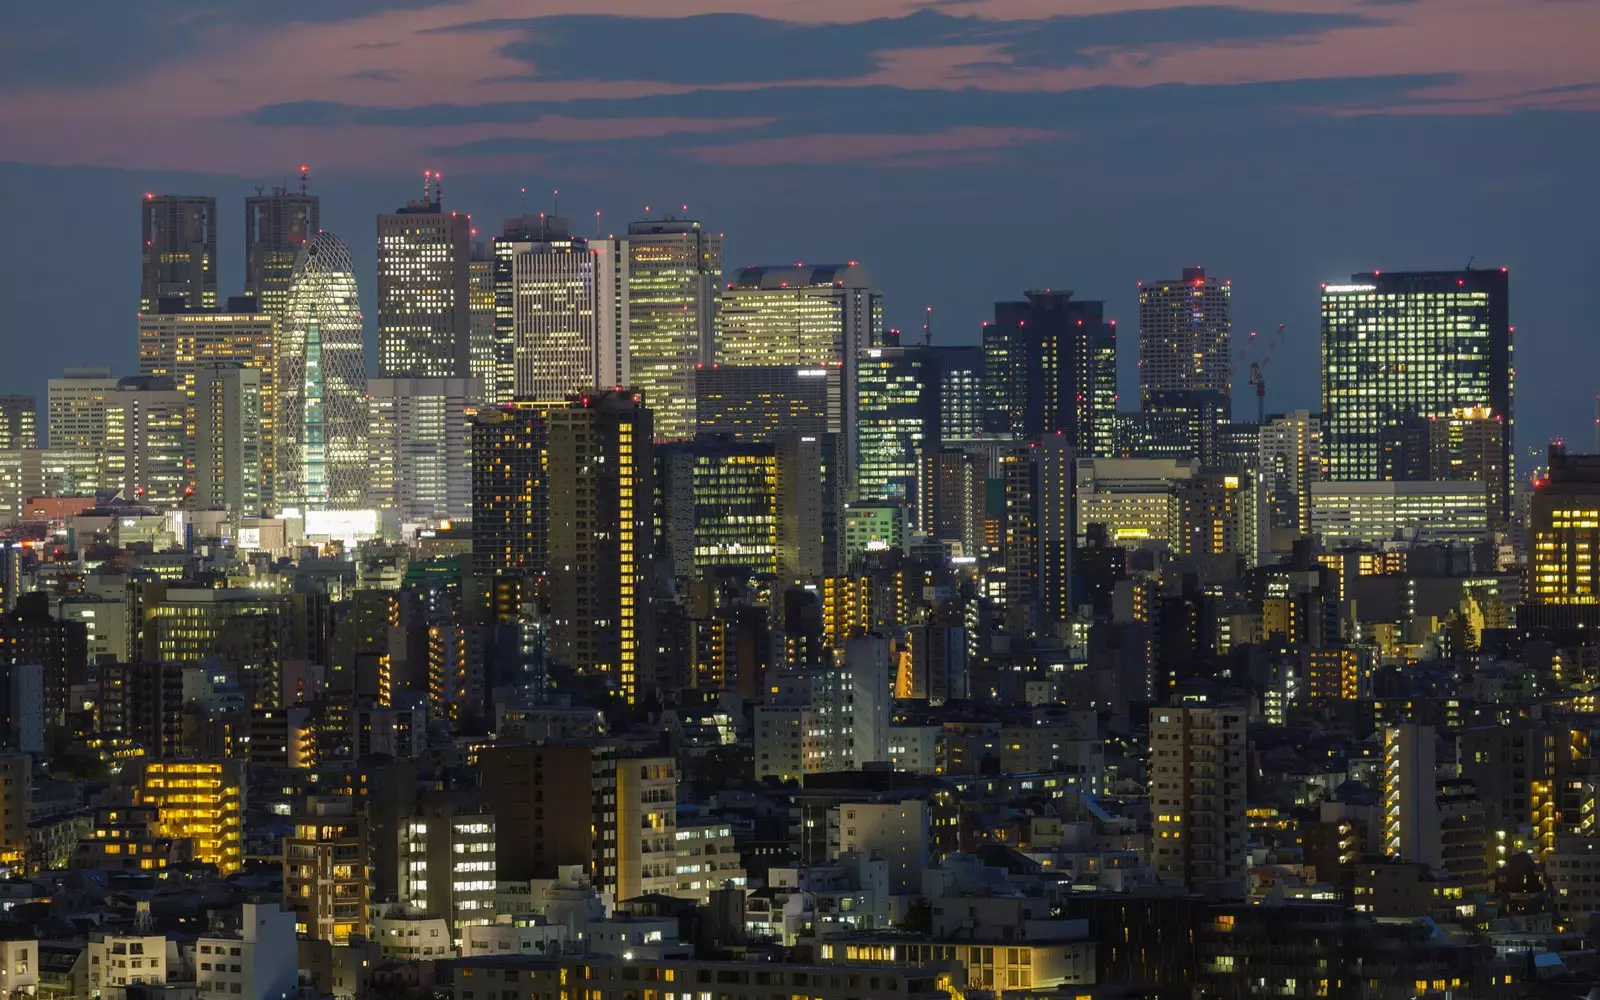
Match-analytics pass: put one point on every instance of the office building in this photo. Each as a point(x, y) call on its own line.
point(810, 505)
point(601, 489)
point(419, 447)
point(180, 344)
point(807, 317)
point(447, 858)
point(1185, 328)
point(1465, 444)
point(719, 501)
point(1564, 544)
point(200, 801)
point(518, 235)
point(754, 403)
point(147, 443)
point(29, 635)
point(569, 313)
point(897, 420)
point(481, 363)
point(75, 408)
point(19, 422)
point(276, 226)
point(325, 871)
point(958, 385)
point(954, 499)
point(1415, 512)
point(230, 446)
point(1050, 364)
point(510, 495)
point(1198, 796)
point(179, 251)
point(674, 267)
point(1290, 460)
point(320, 423)
point(424, 294)
point(1413, 345)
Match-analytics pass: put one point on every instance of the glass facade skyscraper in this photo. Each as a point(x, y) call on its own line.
point(424, 292)
point(321, 420)
point(1401, 346)
point(673, 270)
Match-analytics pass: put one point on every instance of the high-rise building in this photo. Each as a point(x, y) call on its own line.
point(320, 423)
point(897, 421)
point(1410, 794)
point(179, 252)
point(75, 408)
point(1038, 534)
point(424, 292)
point(230, 446)
point(1290, 460)
point(1564, 545)
point(19, 422)
point(810, 505)
point(147, 442)
point(419, 447)
point(276, 226)
point(1050, 365)
point(570, 313)
point(1413, 345)
point(601, 485)
point(201, 801)
point(447, 850)
point(510, 495)
point(959, 387)
point(753, 403)
point(482, 363)
point(1185, 328)
point(807, 317)
point(1197, 795)
point(518, 235)
point(953, 497)
point(1418, 512)
point(179, 345)
point(719, 502)
point(673, 268)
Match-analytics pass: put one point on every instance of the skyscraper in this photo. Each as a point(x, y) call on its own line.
point(180, 251)
point(569, 302)
point(1185, 328)
point(510, 494)
point(719, 502)
point(1409, 345)
point(1290, 460)
point(757, 402)
point(419, 447)
point(229, 445)
point(959, 386)
point(19, 422)
point(897, 421)
point(321, 420)
point(1564, 545)
point(424, 291)
point(804, 316)
point(481, 350)
point(147, 442)
point(601, 485)
point(276, 226)
point(180, 345)
point(75, 408)
point(674, 267)
point(1050, 365)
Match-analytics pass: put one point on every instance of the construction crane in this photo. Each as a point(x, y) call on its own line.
point(1257, 377)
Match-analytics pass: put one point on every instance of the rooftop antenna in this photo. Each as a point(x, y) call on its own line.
point(927, 327)
point(305, 174)
point(597, 223)
point(523, 202)
point(427, 185)
point(555, 201)
point(438, 188)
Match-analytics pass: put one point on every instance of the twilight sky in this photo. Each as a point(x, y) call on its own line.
point(963, 149)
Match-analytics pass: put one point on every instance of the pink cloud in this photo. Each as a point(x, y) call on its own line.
point(970, 143)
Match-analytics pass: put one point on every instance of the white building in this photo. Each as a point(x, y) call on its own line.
point(826, 719)
point(117, 961)
point(75, 408)
point(1289, 458)
point(897, 832)
point(419, 446)
point(146, 440)
point(917, 749)
point(570, 314)
point(1419, 512)
point(257, 960)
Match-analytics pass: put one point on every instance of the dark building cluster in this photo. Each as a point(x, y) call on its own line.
point(642, 631)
